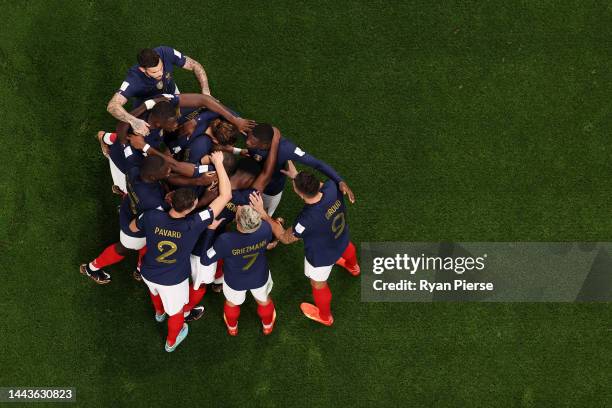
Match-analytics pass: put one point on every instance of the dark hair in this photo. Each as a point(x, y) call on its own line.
point(225, 132)
point(263, 132)
point(151, 167)
point(249, 166)
point(147, 58)
point(230, 162)
point(307, 184)
point(183, 199)
point(163, 111)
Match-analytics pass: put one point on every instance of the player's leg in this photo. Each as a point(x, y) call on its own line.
point(118, 176)
point(348, 260)
point(112, 254)
point(217, 285)
point(271, 202)
point(265, 306)
point(174, 298)
point(201, 275)
point(160, 313)
point(321, 310)
point(231, 308)
point(141, 253)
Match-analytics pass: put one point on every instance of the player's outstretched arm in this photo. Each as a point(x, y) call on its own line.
point(283, 235)
point(324, 168)
point(207, 101)
point(115, 108)
point(198, 71)
point(264, 177)
point(225, 188)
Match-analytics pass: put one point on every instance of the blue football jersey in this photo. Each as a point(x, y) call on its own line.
point(140, 86)
point(323, 227)
point(287, 150)
point(169, 244)
point(141, 196)
point(244, 256)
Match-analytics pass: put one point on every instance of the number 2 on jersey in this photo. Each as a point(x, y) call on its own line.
point(251, 258)
point(162, 258)
point(338, 224)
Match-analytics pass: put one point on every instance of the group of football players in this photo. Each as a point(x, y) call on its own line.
point(198, 209)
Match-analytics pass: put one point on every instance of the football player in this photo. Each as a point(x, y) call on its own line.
point(245, 267)
point(170, 237)
point(152, 76)
point(258, 144)
point(322, 226)
point(145, 192)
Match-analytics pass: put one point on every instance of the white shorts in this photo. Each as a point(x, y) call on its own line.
point(173, 297)
point(238, 297)
point(201, 274)
point(118, 176)
point(317, 273)
point(132, 242)
point(271, 202)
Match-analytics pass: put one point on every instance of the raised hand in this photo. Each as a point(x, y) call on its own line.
point(291, 171)
point(257, 203)
point(344, 188)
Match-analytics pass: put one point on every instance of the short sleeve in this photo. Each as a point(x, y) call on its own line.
point(173, 56)
point(300, 227)
point(130, 86)
point(205, 217)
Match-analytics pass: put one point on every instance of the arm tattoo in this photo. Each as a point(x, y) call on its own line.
point(198, 71)
point(115, 108)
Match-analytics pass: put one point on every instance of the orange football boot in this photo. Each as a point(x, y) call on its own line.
point(312, 312)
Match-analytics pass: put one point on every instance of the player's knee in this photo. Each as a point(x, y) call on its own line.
point(265, 302)
point(230, 304)
point(318, 284)
point(121, 250)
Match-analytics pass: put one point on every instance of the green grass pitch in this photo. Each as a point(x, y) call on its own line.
point(460, 120)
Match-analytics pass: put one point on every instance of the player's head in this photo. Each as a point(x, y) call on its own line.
point(164, 116)
point(150, 63)
point(223, 132)
point(247, 169)
point(230, 162)
point(306, 185)
point(247, 219)
point(154, 168)
point(184, 200)
point(260, 137)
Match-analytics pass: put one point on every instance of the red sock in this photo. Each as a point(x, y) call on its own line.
point(322, 298)
point(157, 303)
point(175, 324)
point(350, 255)
point(219, 272)
point(232, 313)
point(108, 257)
point(266, 312)
point(195, 296)
point(141, 253)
